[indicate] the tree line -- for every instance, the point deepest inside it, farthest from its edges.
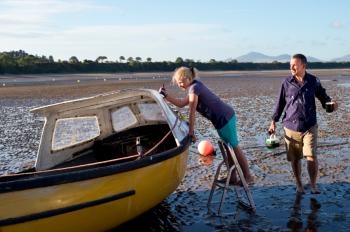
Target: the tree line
(20, 62)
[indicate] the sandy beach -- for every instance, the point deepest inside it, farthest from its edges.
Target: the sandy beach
(252, 95)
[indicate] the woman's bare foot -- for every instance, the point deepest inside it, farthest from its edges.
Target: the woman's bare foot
(250, 180)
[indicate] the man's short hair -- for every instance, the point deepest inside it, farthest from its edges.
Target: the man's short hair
(301, 57)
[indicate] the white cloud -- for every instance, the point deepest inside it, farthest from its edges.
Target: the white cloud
(28, 17)
(33, 26)
(336, 24)
(159, 41)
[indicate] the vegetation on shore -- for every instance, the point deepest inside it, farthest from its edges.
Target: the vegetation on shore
(20, 62)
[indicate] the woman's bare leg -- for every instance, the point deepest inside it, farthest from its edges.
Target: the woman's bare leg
(243, 162)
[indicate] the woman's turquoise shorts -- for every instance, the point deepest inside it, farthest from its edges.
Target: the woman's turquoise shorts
(229, 132)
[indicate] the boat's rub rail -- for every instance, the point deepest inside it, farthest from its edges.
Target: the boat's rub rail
(54, 212)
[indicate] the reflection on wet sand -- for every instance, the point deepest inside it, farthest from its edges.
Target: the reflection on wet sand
(160, 218)
(295, 221)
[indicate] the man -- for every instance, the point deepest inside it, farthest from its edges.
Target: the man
(297, 101)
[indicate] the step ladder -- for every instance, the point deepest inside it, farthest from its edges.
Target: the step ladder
(229, 157)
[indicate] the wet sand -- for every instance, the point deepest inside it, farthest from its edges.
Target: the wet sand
(252, 94)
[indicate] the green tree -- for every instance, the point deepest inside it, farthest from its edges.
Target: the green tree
(179, 60)
(73, 60)
(100, 59)
(130, 59)
(27, 60)
(88, 61)
(189, 61)
(6, 59)
(149, 59)
(51, 60)
(138, 59)
(212, 61)
(121, 59)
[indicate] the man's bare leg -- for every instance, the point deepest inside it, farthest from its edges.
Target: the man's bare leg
(296, 166)
(312, 168)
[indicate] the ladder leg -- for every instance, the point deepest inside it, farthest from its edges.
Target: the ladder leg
(224, 192)
(214, 183)
(227, 152)
(242, 178)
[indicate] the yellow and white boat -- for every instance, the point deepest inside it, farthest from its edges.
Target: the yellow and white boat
(102, 161)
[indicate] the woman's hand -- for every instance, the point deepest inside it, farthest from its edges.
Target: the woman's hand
(193, 101)
(162, 91)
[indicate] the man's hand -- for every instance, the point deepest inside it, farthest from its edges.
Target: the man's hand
(162, 91)
(335, 105)
(272, 128)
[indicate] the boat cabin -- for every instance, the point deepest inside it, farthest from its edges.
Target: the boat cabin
(119, 126)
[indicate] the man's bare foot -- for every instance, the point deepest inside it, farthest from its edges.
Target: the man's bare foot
(315, 191)
(300, 189)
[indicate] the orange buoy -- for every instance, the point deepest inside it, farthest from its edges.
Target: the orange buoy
(205, 148)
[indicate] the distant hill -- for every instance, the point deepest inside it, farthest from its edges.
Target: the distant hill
(345, 58)
(256, 57)
(313, 59)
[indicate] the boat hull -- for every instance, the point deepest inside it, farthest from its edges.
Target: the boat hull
(94, 204)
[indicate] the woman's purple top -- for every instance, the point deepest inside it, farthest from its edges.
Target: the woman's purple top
(211, 106)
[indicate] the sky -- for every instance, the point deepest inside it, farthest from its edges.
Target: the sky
(164, 30)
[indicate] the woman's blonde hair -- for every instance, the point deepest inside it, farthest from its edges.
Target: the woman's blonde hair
(183, 73)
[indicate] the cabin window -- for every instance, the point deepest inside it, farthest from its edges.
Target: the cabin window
(151, 112)
(123, 118)
(71, 131)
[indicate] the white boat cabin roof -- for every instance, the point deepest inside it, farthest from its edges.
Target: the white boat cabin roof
(72, 126)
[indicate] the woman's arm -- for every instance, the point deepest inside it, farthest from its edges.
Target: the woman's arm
(193, 101)
(179, 102)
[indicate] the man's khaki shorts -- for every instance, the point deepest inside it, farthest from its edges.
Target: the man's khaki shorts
(300, 143)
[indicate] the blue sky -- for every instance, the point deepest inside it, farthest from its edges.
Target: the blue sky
(164, 30)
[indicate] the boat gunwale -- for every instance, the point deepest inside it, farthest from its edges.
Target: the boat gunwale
(38, 180)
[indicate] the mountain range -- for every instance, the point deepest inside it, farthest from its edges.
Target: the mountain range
(257, 57)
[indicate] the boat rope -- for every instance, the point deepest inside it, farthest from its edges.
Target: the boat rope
(96, 163)
(162, 140)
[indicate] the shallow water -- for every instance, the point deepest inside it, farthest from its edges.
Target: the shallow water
(278, 208)
(344, 85)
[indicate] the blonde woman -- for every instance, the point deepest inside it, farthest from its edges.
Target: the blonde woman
(222, 116)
